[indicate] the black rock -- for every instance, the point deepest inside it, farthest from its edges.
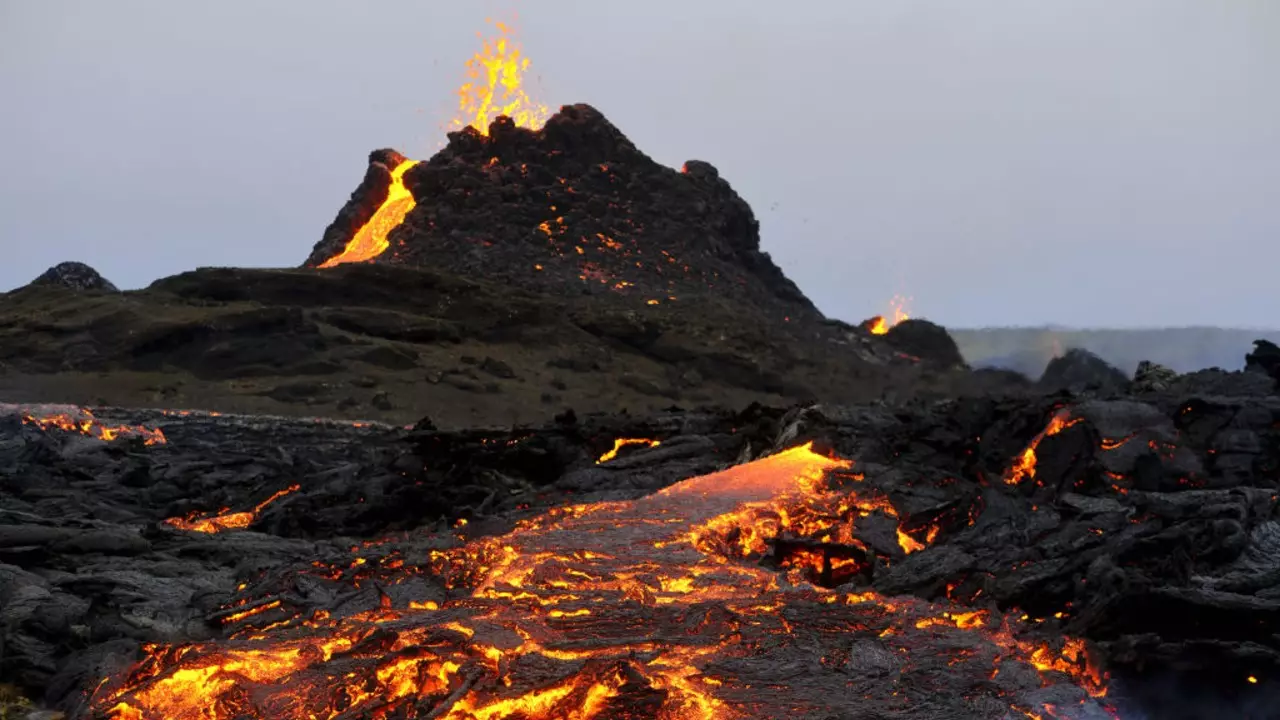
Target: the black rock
(75, 276)
(1265, 358)
(1079, 370)
(926, 341)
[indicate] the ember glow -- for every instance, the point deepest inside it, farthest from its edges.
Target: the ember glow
(370, 240)
(224, 520)
(496, 86)
(1024, 467)
(897, 313)
(649, 608)
(84, 422)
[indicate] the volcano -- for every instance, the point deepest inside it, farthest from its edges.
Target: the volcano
(572, 207)
(871, 546)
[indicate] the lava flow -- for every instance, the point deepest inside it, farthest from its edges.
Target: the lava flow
(897, 313)
(81, 420)
(662, 607)
(370, 240)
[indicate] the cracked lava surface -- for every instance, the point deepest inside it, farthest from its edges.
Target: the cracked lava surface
(655, 608)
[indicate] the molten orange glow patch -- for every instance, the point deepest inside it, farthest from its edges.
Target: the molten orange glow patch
(496, 87)
(370, 240)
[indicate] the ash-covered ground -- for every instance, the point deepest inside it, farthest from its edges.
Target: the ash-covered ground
(1054, 556)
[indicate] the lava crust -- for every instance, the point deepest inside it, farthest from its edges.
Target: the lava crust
(1052, 556)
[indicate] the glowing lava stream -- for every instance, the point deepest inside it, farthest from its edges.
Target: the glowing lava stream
(370, 240)
(639, 608)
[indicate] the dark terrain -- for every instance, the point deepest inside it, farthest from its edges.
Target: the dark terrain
(538, 270)
(1144, 524)
(601, 459)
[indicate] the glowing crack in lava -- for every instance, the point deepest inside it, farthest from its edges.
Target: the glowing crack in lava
(637, 609)
(496, 87)
(620, 443)
(370, 240)
(202, 523)
(1024, 467)
(897, 313)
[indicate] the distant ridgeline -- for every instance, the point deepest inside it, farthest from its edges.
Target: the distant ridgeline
(1028, 350)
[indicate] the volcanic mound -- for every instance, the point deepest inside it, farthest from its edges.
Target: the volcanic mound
(573, 208)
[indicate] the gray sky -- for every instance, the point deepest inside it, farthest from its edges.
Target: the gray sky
(1085, 162)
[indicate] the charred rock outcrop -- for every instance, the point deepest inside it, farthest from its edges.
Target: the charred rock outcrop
(1264, 358)
(925, 341)
(573, 208)
(1079, 370)
(74, 276)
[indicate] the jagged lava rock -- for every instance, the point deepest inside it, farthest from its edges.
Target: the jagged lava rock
(574, 208)
(1078, 370)
(1265, 358)
(928, 341)
(75, 276)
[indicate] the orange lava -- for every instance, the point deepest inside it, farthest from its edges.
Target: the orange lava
(621, 609)
(87, 424)
(197, 522)
(1024, 468)
(625, 442)
(370, 240)
(897, 313)
(496, 86)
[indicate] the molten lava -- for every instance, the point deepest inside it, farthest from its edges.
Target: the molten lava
(1024, 468)
(496, 87)
(197, 522)
(620, 443)
(87, 424)
(370, 240)
(633, 609)
(897, 313)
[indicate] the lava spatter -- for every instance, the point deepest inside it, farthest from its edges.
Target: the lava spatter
(496, 86)
(621, 609)
(880, 324)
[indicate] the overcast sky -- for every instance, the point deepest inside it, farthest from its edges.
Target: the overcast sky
(1085, 162)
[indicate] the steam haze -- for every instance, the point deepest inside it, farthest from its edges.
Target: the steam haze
(1084, 162)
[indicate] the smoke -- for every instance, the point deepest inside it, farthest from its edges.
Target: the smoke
(1029, 350)
(1170, 695)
